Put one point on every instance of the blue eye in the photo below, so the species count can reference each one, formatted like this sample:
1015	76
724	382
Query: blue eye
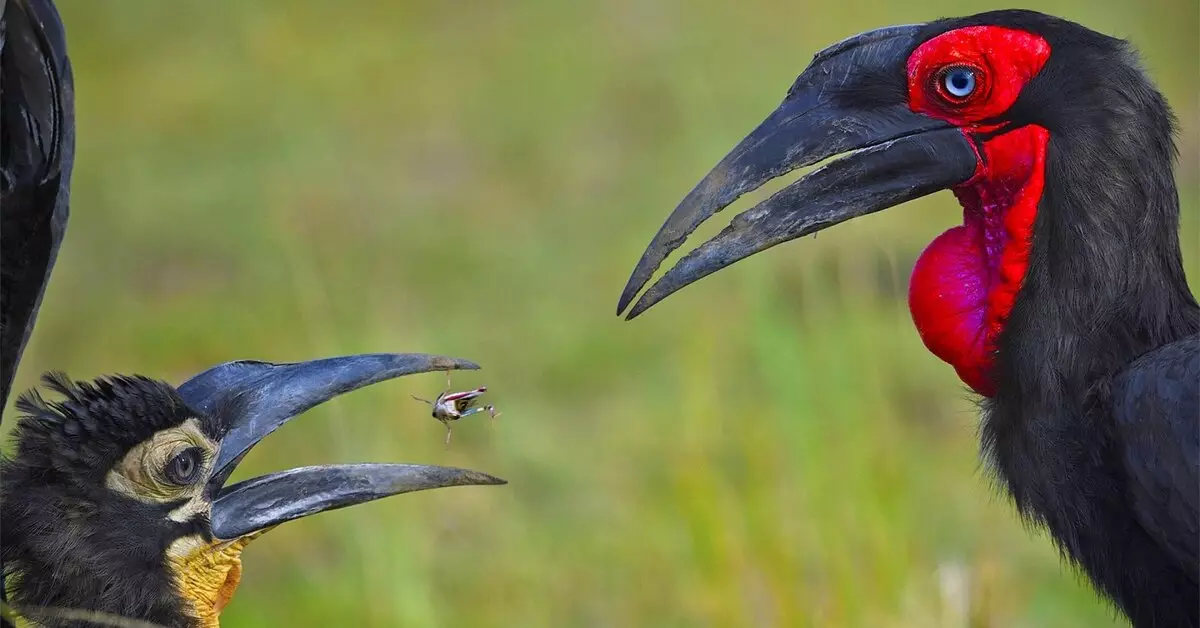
959	82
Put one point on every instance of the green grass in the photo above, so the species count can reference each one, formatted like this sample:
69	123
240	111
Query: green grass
770	447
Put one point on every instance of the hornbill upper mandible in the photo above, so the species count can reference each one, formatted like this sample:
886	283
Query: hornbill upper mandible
114	503
1061	299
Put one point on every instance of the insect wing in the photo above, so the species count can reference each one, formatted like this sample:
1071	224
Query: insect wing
464	400
464	404
469	394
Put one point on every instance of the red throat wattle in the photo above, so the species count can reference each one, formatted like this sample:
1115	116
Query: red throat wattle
965	282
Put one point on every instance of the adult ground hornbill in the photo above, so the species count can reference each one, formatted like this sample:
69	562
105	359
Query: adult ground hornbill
114	503
1061	299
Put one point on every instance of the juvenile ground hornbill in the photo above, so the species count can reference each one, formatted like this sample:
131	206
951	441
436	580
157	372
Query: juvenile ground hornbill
1061	299
115	500
114	504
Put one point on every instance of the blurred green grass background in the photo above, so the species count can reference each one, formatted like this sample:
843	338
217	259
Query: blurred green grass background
771	447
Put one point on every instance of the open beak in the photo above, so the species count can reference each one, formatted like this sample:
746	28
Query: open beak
850	98
254	399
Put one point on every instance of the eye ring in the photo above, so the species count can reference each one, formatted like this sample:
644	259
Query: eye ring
958	83
184	467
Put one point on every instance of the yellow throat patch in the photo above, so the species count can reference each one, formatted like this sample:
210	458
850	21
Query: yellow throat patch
207	574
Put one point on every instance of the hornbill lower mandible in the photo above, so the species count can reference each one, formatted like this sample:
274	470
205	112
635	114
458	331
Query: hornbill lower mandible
114	504
1061	299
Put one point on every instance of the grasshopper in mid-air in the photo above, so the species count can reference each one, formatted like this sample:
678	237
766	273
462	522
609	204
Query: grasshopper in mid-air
450	406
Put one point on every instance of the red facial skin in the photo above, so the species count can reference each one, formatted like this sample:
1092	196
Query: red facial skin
964	284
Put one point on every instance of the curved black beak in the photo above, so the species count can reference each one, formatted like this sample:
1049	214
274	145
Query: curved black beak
852	97
252	399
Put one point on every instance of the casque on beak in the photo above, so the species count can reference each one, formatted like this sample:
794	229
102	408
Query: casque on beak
850	98
256	398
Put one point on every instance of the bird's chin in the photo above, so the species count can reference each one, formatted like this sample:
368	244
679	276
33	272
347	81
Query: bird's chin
207	574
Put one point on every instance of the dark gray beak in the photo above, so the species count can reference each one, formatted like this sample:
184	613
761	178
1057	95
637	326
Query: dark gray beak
256	398
850	98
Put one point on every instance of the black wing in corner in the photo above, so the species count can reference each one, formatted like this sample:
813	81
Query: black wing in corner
1156	404
37	150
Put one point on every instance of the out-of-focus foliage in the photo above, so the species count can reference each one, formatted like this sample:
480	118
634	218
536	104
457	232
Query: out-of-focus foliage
771	447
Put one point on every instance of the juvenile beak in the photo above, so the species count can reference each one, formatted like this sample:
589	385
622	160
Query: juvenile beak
850	98
276	498
254	399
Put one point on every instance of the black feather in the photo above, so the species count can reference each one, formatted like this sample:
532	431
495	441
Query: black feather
1156	404
37	123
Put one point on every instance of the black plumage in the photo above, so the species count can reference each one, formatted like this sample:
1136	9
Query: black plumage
1160	452
37	153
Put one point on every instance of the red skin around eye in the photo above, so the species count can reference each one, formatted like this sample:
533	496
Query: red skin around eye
966	281
1004	59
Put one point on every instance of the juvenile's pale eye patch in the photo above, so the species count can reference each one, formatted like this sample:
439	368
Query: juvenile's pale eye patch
166	467
959	83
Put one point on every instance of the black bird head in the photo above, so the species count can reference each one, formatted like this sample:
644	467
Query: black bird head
1055	143
115	499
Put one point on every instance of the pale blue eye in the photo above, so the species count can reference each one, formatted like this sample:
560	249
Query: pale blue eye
959	82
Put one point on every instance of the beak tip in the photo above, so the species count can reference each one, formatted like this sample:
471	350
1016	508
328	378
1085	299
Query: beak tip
637	309
667	285
478	478
456	364
629	293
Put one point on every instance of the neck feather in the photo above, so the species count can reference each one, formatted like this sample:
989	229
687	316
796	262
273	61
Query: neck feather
1105	280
